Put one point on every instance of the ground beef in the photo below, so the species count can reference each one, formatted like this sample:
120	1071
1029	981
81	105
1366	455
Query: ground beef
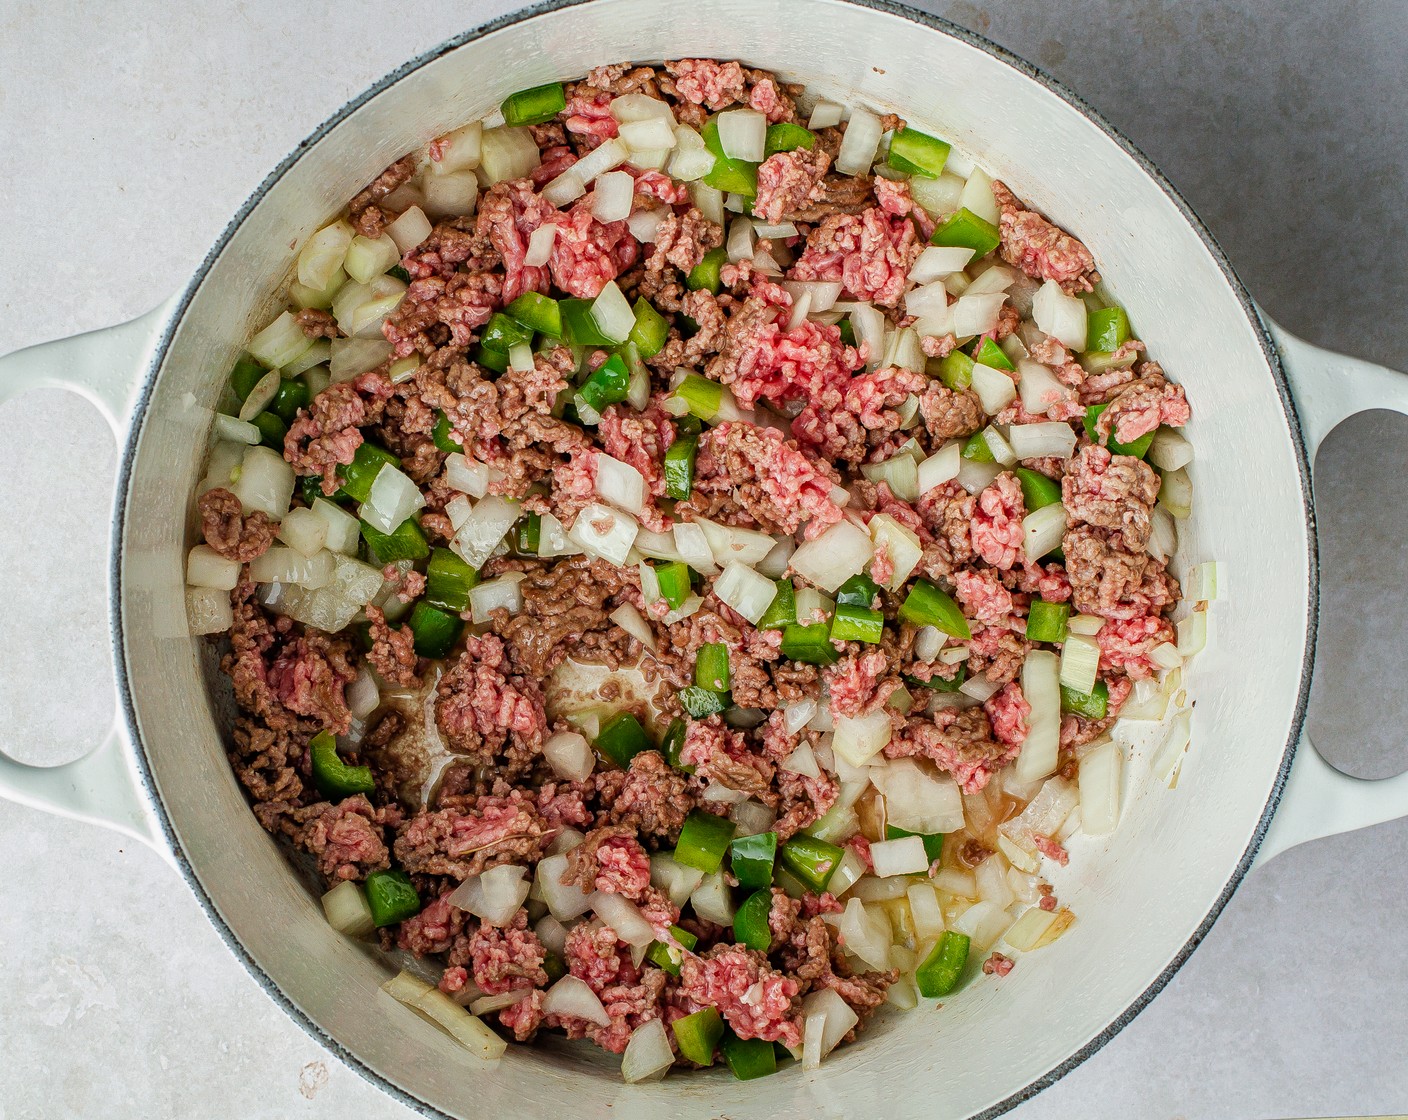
870	253
1109	580
393	653
861	683
958	740
864	417
610	859
433	930
682	240
564	606
654	800
764	477
997	965
327	434
587	253
229	532
1142	406
996	530
502	959
982	595
509	212
487	712
1111	492
493	830
346	839
720	754
755	1000
998	651
950	413
266	761
814	957
317	324
788	182
1040	249
365	215
462	302
702	81
1007	712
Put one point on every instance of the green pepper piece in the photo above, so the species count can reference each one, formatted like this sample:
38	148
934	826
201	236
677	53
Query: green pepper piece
943	967
436	631
928	605
1106	330
977	450
406	543
1046	622
494	360
1037	489
1138	448
448	581
811	860
245	376
847	331
705	275
293	394
858	591
528	534
956	370
440	434
534	106
607	385
810	644
939	684
358	475
967	229
271	430
668	957
400	273
698	1035
673	743
733	176
679	468
918	153
702	396
578	326
703	840
554	966
674	582
651	331
711	667
857	624
622	738
933	841
752	858
782	611
702	702
787	137
750	921
538	313
992	355
332	776
1092	705
502	333
391	897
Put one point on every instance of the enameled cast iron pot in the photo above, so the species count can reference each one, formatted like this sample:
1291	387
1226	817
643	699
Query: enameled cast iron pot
1145	896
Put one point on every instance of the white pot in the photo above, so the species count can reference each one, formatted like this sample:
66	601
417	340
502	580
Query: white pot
1145	896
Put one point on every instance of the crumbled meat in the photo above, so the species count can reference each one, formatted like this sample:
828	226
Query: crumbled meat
870	253
488	712
229	532
996	530
1041	250
1142	406
959	741
393	653
493	830
1111	492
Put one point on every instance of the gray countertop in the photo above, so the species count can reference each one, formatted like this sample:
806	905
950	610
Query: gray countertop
128	137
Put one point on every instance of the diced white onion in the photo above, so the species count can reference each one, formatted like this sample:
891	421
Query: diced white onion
347	910
977	196
998	446
1061	316
624	917
1030	928
900	472
709	200
741	242
460	150
860	142
631	621
553	539
495	896
930	302
612	196
540	243
742	133
410	229
352	357
958	883
485	1004
980	688
289	566
994	388
940	467
830	559
280	342
1100	789
1168	450
1080	659
975	476
939	261
342	531
322	255
865	934
826	114
1035	441
994	278
605	157
904	856
1176	493
620	484
645	224
801	760
925	911
728	544
826	1020
692	546
648	1053
486	525
711	900
858	739
1170	756
984	923
977	314
675	879
908	353
612	314
570	756
507	153
1042	690
1163	534
393	498
469	476
752	818
917	798
1204	582
743	589
520	357
494	594
1039	387
265	482
368	258
868	325
939	197
565	901
901	543
1166	656
208	610
690	606
207	568
1044	530
991	879
571	996
1086	624
1045	813
551	932
774	564
604	532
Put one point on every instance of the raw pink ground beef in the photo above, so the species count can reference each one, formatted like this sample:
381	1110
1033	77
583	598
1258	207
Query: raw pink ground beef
871	253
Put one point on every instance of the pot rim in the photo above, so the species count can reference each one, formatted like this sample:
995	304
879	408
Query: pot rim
127	706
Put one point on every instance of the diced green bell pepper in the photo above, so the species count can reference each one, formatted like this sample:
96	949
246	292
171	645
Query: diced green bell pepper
917	153
933	841
733	176
538	313
711	667
989	353
436	631
674	582
702	702
938	974
293	394
1092	705
704	839
444	441
1046	622
679	468
245	376
534	106
928	605
578	326
704	277
752	858
810	644
787	137
673	743
857	624
811	860
956	370
858	591
1106	330
1037	489
782	611
406	543
651	331
607	385
750	921
448	581
332	776
271	430
391	897
622	738
749	1058
970	231
358	475
698	1035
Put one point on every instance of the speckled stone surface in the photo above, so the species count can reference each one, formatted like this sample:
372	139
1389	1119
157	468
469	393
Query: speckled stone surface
128	134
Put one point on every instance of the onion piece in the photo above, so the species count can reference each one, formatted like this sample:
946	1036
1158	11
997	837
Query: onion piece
826	114
207	568
352	357
393	498
1204	582
410	229
1030	928
503	593
304	531
624	917
1176	493
604	532
904	856
485	1004
1059	315
347	911
460	150
711	900
859	144
977	196
959	884
612	196
866	934
1039	388
801	760
994	278
540	243
1163	534
611	312
984	923
925	911
1169	451
507	153
1044	529
826	1020
830	559
1036	441
994	388
868	324
940	467
899	472
452	195
939	261
728	544
633	623
1170	756
265	483
998	446
570	756
917	798
858	739
774	564
1080	661
902	545
742	133
980	688
747	592
674	878
493	897
976	314
564	901
648	1054
571	996
1041	689
975	476
1099	784
752	818
620	484
486	525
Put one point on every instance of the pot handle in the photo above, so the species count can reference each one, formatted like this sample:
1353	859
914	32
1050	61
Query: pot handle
106	367
1319	800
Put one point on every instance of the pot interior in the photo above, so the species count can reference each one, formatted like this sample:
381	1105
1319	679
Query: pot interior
1140	895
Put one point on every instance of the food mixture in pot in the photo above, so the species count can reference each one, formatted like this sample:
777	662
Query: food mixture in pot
678	558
